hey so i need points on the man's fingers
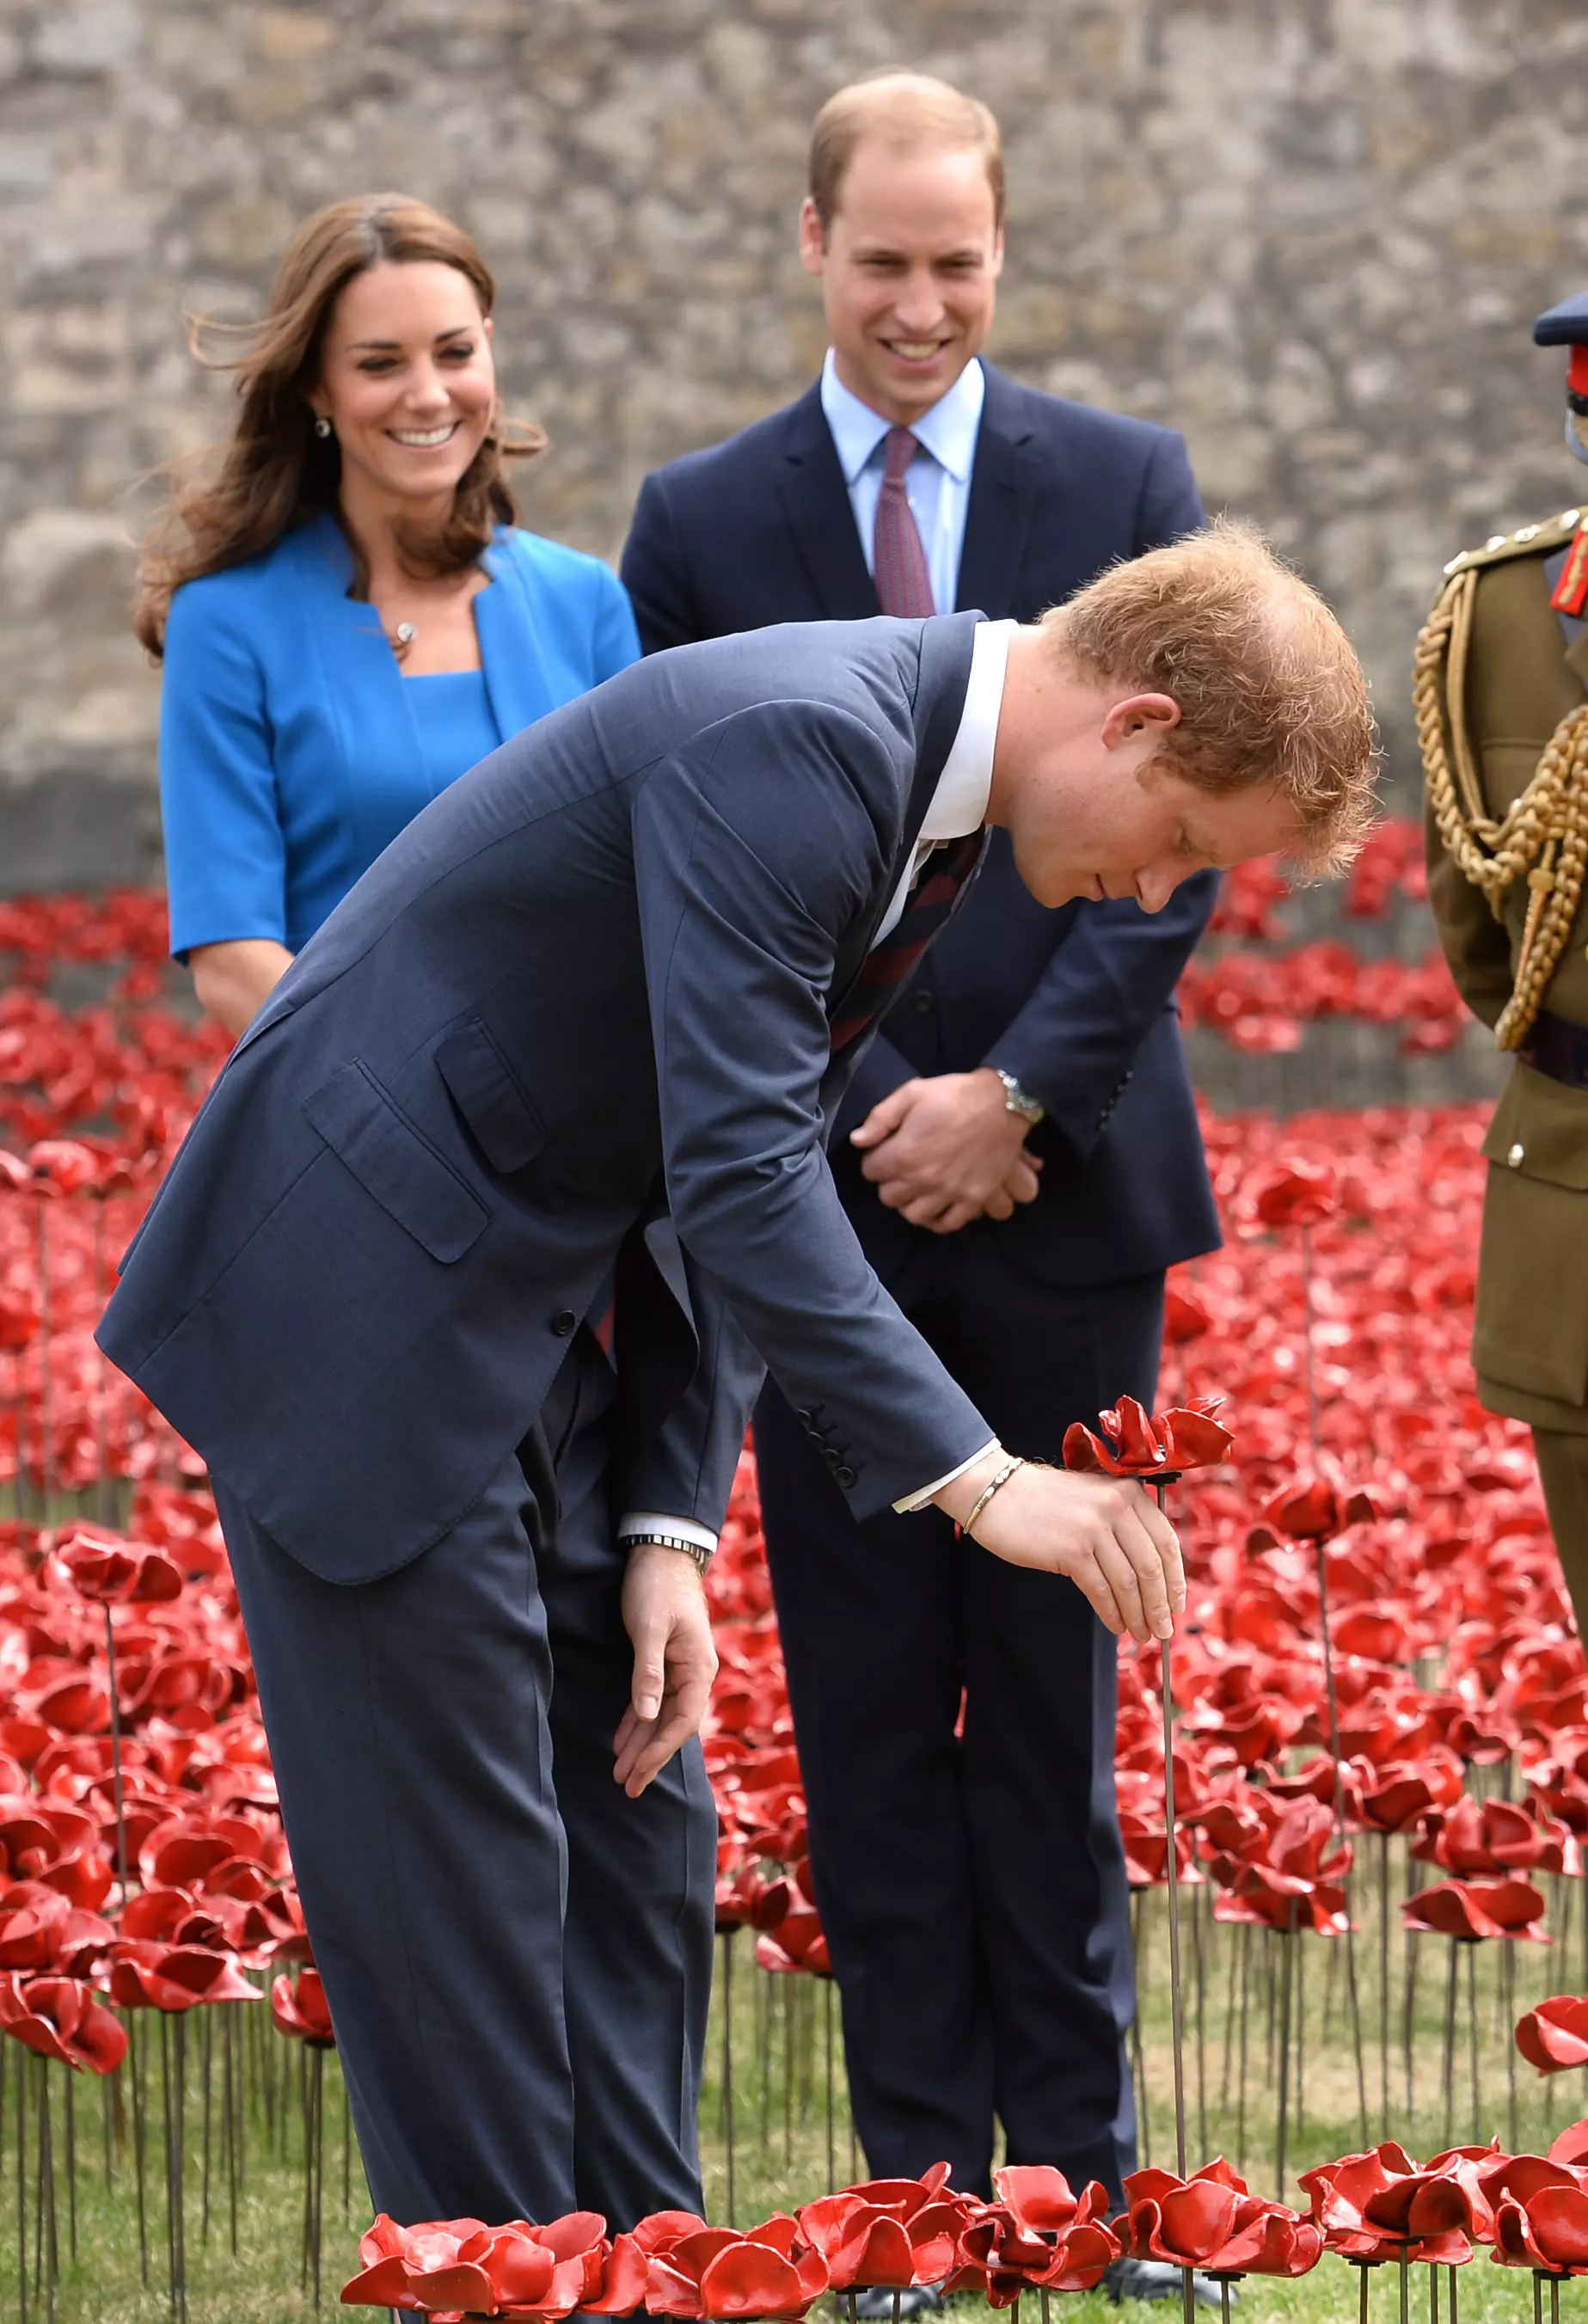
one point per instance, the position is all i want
(650, 1677)
(1166, 1543)
(884, 1117)
(1118, 1572)
(999, 1204)
(1022, 1182)
(1147, 1562)
(1093, 1584)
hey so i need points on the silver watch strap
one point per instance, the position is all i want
(700, 1556)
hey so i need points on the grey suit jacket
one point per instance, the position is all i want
(572, 1026)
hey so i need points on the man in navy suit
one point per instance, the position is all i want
(578, 1037)
(1019, 1154)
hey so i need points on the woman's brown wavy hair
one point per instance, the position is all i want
(274, 472)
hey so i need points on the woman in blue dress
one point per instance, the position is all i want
(349, 616)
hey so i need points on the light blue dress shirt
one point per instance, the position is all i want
(938, 480)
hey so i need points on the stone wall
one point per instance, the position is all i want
(1311, 234)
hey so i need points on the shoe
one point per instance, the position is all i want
(876, 2306)
(1155, 2279)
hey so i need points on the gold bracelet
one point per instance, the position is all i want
(1013, 1462)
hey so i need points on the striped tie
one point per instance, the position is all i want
(890, 966)
(904, 582)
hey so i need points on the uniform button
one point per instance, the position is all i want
(832, 1457)
(1516, 1155)
(565, 1323)
(802, 1415)
(844, 1475)
(923, 1004)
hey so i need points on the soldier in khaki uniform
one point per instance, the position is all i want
(1502, 690)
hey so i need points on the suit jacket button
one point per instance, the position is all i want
(832, 1457)
(923, 1004)
(565, 1323)
(1516, 1155)
(844, 1475)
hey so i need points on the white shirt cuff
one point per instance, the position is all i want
(913, 1501)
(682, 1529)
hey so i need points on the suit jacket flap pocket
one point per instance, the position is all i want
(390, 1160)
(488, 1096)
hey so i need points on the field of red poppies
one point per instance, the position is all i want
(1377, 1723)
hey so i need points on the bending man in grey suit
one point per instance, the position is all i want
(575, 1038)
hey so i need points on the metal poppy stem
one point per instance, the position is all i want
(1176, 2004)
(121, 1812)
(1312, 1384)
(728, 2068)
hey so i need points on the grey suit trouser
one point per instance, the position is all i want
(517, 1956)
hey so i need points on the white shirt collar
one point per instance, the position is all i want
(947, 431)
(959, 803)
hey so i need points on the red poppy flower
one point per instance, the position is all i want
(61, 2019)
(1492, 1837)
(302, 2010)
(716, 2273)
(1295, 1194)
(1134, 1444)
(1549, 2230)
(1478, 1909)
(1315, 1510)
(173, 1978)
(42, 1929)
(111, 1571)
(1211, 2221)
(1378, 2205)
(62, 1166)
(864, 2243)
(518, 2269)
(1554, 2035)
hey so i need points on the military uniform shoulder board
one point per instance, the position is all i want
(1534, 540)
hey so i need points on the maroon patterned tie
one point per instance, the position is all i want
(904, 583)
(890, 966)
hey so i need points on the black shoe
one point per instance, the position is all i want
(876, 2306)
(1155, 2279)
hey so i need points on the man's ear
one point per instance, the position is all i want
(813, 242)
(1150, 715)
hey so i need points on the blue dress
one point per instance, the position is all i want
(292, 749)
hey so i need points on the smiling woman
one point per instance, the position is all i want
(349, 616)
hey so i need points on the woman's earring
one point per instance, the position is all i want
(322, 426)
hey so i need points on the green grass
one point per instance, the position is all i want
(791, 2141)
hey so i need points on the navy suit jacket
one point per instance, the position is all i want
(1077, 1003)
(573, 1021)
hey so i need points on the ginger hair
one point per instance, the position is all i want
(1270, 691)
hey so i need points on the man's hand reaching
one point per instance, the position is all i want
(944, 1149)
(1107, 1534)
(674, 1661)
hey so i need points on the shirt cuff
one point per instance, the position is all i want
(913, 1501)
(682, 1528)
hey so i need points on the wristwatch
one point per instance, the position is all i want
(694, 1551)
(1018, 1100)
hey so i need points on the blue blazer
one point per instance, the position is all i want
(1078, 1004)
(572, 1027)
(290, 754)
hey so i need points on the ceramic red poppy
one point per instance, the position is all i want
(1478, 1910)
(1133, 1444)
(61, 2017)
(302, 2011)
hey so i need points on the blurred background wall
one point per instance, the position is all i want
(1312, 235)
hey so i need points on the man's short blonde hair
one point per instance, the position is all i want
(1271, 694)
(907, 111)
